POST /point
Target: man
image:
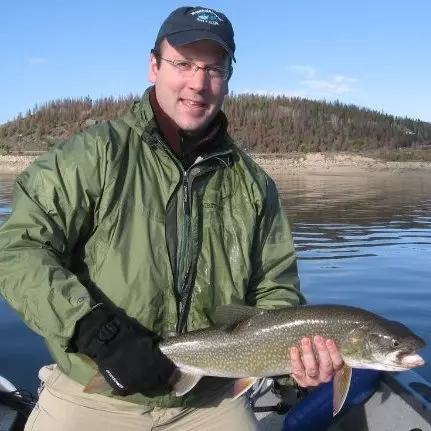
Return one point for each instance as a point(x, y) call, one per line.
point(133, 229)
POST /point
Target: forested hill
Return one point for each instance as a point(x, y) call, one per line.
point(259, 124)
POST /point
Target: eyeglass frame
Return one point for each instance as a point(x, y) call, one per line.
point(195, 67)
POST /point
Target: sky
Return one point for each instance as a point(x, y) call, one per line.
point(372, 53)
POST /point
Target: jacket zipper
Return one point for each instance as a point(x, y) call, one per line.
point(185, 230)
point(184, 285)
point(184, 279)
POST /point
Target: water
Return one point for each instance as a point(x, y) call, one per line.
point(365, 240)
point(362, 240)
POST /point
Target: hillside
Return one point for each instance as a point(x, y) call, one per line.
point(260, 124)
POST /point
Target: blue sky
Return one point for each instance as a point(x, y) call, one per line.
point(375, 54)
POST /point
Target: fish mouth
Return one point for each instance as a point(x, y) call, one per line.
point(394, 361)
point(410, 360)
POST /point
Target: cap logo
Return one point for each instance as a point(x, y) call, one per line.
point(207, 16)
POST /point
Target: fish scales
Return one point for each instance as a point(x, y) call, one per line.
point(259, 346)
point(249, 343)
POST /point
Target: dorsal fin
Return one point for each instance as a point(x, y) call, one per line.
point(228, 315)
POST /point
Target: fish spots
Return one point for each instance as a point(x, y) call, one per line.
point(259, 345)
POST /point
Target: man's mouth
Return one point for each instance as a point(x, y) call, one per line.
point(193, 103)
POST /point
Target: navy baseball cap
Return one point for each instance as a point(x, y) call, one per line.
point(189, 24)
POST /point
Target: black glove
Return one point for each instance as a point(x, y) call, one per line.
point(127, 355)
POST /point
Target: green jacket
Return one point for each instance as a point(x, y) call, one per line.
point(111, 215)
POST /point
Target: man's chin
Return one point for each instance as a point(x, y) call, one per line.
point(193, 127)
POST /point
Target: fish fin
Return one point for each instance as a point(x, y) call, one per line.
point(97, 385)
point(341, 387)
point(241, 386)
point(182, 382)
point(234, 313)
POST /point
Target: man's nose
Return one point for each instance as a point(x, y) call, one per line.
point(199, 80)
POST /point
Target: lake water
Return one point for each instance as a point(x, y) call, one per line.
point(362, 239)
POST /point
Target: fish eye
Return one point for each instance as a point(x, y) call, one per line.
point(395, 343)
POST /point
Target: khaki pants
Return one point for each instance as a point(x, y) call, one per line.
point(63, 406)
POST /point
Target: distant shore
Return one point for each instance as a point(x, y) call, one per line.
point(281, 164)
point(335, 163)
point(14, 164)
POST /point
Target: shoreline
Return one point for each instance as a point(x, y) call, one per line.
point(315, 163)
point(13, 164)
point(336, 164)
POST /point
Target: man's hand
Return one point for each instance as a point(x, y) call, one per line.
point(126, 354)
point(311, 371)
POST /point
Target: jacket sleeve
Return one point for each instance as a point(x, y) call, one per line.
point(275, 281)
point(54, 207)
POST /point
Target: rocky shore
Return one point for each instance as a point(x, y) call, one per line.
point(337, 164)
point(281, 164)
point(14, 164)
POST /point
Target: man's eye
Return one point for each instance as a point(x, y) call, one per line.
point(216, 71)
point(184, 65)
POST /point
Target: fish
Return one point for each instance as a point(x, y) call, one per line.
point(247, 343)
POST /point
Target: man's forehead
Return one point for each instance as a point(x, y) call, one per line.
point(204, 47)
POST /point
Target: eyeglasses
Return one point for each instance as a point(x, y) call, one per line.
point(188, 68)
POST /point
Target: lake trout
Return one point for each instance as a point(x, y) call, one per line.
point(247, 343)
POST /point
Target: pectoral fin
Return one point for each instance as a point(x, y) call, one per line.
point(229, 315)
point(97, 385)
point(242, 385)
point(342, 381)
point(182, 382)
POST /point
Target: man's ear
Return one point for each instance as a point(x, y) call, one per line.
point(230, 72)
point(228, 79)
point(152, 68)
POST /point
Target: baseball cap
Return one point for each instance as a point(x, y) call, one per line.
point(189, 24)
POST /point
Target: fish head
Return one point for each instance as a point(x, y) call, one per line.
point(384, 345)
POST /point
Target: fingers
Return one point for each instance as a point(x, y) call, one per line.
point(335, 354)
point(326, 368)
point(308, 358)
point(298, 370)
point(312, 369)
point(304, 367)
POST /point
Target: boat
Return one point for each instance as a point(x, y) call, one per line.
point(15, 406)
point(402, 401)
point(377, 401)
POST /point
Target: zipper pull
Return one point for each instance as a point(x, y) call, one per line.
point(186, 201)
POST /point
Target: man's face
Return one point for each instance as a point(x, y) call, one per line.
point(190, 100)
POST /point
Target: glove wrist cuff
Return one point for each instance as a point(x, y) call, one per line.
point(94, 330)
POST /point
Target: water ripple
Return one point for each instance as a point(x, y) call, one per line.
point(365, 241)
